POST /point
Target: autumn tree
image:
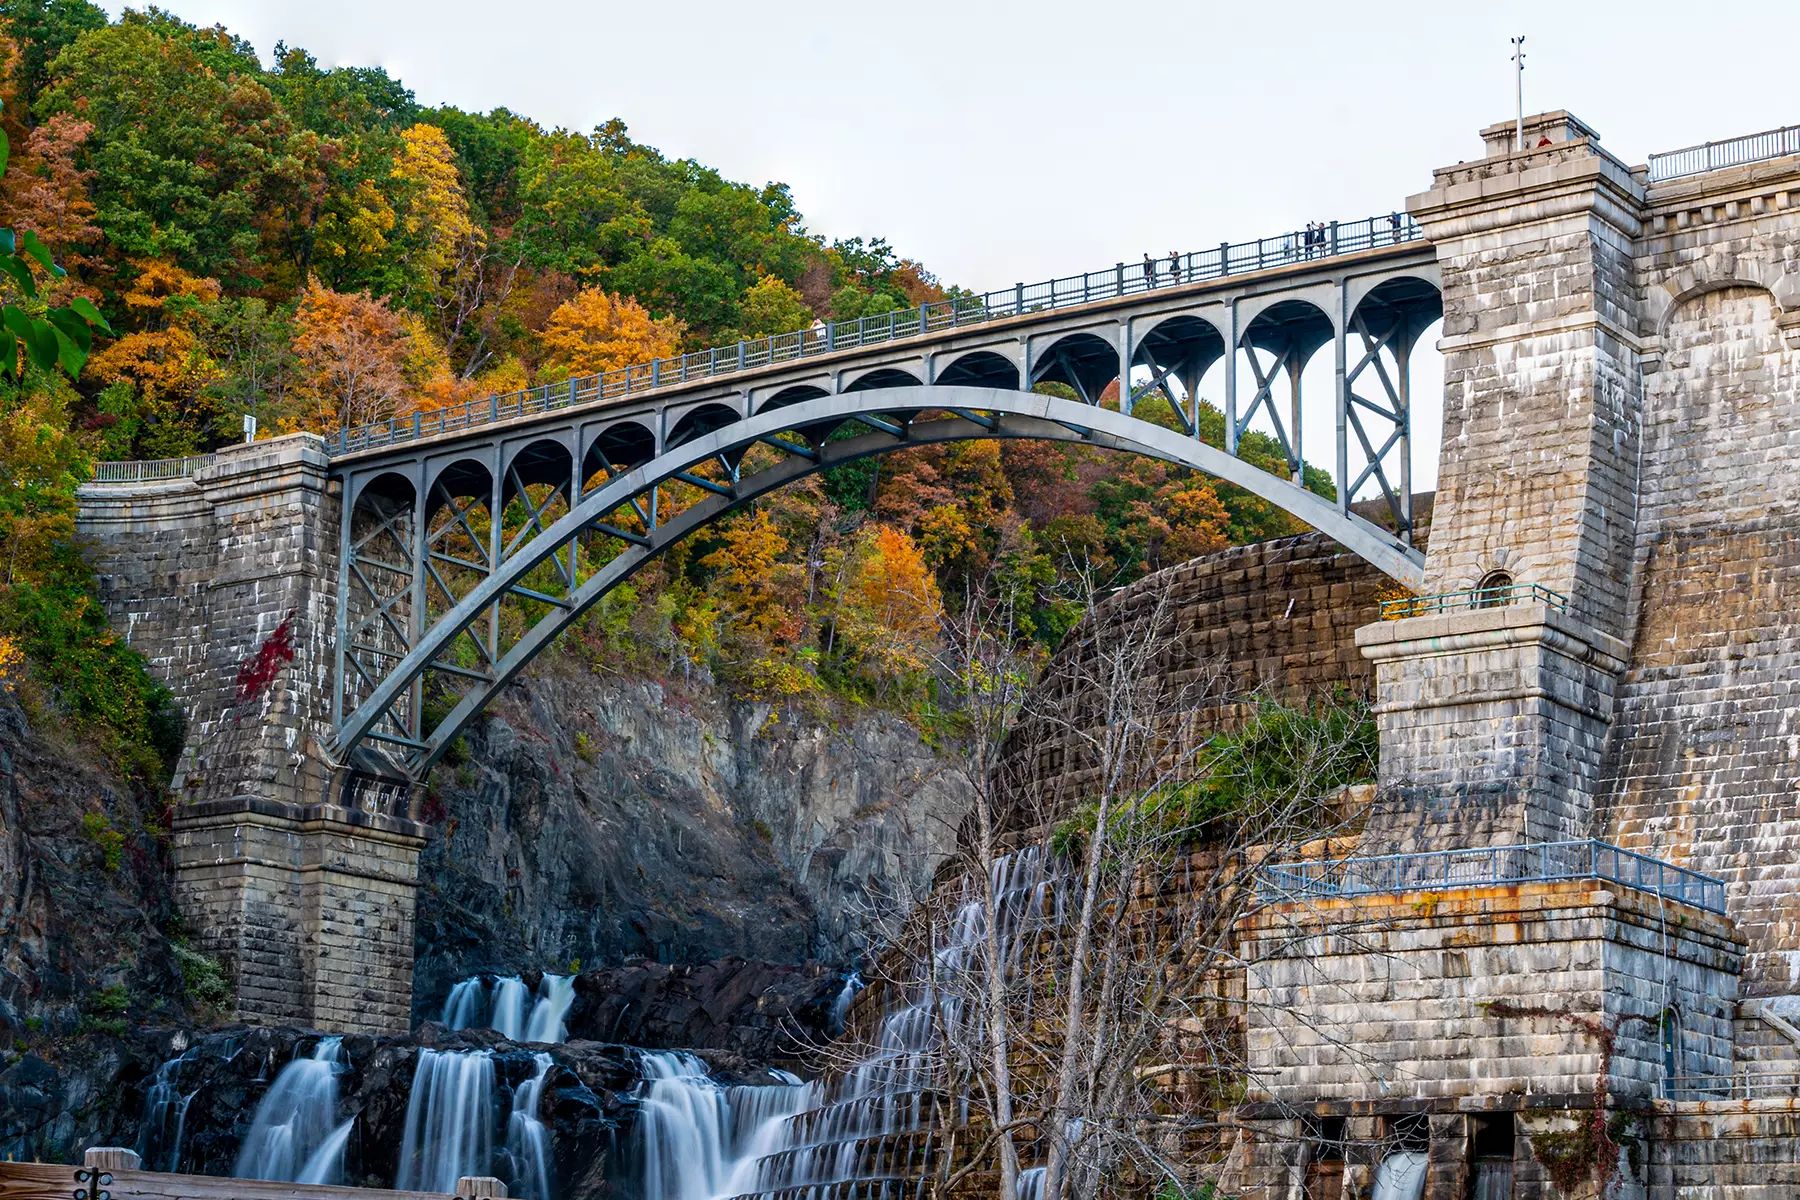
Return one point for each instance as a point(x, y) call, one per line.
point(596, 332)
point(350, 355)
point(889, 611)
point(772, 306)
point(163, 358)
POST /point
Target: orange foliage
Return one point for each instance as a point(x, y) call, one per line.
point(597, 332)
point(350, 352)
point(44, 191)
point(892, 606)
point(162, 359)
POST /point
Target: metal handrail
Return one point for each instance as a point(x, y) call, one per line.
point(151, 469)
point(1732, 152)
point(1122, 279)
point(1488, 866)
point(1744, 1084)
point(1473, 598)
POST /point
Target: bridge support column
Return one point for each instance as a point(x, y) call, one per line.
point(1493, 719)
point(226, 581)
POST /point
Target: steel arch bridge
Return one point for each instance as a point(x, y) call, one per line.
point(462, 528)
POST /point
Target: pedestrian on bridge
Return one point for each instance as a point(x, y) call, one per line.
point(1149, 270)
point(1174, 266)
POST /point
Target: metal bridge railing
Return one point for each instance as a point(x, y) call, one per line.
point(150, 470)
point(1732, 152)
point(1488, 597)
point(1122, 279)
point(1490, 866)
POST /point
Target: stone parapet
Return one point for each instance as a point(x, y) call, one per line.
point(311, 906)
point(1492, 722)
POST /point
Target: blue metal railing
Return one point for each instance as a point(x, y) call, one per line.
point(1487, 597)
point(150, 469)
point(1122, 279)
point(1732, 152)
point(1489, 866)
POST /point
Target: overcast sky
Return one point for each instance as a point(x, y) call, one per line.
point(998, 142)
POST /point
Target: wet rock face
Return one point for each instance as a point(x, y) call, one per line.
point(754, 1012)
point(601, 820)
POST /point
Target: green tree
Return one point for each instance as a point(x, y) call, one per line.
point(41, 29)
point(187, 163)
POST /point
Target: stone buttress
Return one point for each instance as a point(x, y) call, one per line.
point(226, 581)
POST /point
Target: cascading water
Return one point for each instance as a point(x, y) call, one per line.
point(449, 1121)
point(294, 1137)
point(697, 1139)
point(467, 1003)
point(165, 1117)
point(870, 1132)
point(556, 993)
point(505, 1010)
point(509, 1007)
point(527, 1139)
point(840, 1007)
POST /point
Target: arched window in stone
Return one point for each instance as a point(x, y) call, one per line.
point(1492, 591)
point(1668, 1036)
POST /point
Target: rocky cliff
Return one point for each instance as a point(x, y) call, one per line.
point(598, 819)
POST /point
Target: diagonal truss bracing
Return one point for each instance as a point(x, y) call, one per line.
point(381, 694)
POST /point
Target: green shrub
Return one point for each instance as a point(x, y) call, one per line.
point(203, 976)
point(112, 999)
point(111, 842)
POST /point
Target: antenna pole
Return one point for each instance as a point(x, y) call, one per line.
point(1518, 56)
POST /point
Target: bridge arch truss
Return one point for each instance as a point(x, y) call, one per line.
point(546, 513)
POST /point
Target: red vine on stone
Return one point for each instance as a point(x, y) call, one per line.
point(258, 672)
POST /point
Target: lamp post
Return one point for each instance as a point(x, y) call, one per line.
point(1518, 56)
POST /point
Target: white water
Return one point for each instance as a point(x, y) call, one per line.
point(467, 1003)
point(449, 1121)
point(555, 995)
point(1401, 1176)
point(503, 1007)
point(840, 1007)
point(527, 1139)
point(294, 1137)
point(165, 1117)
point(509, 1007)
point(697, 1140)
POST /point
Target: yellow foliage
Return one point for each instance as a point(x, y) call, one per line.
point(596, 332)
point(747, 578)
point(361, 231)
point(437, 223)
point(12, 661)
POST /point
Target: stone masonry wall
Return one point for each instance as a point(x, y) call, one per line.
point(1276, 618)
point(1704, 759)
point(199, 574)
point(1349, 998)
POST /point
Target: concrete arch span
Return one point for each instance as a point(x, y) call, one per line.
point(974, 413)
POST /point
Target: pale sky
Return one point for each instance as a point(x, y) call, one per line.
point(1005, 141)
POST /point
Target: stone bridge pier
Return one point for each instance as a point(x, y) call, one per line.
point(225, 579)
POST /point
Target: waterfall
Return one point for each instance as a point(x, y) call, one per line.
point(699, 1140)
point(509, 1007)
point(1031, 1184)
point(449, 1121)
point(555, 994)
point(469, 1003)
point(293, 1137)
point(165, 1117)
point(527, 1139)
point(873, 1126)
point(840, 1007)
